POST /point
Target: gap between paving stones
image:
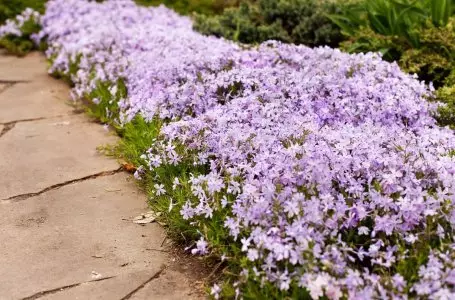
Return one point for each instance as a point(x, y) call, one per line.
point(6, 128)
point(9, 83)
point(21, 197)
point(5, 86)
point(67, 287)
point(10, 125)
point(155, 276)
point(13, 81)
point(63, 288)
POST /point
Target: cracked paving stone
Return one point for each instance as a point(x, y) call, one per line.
point(58, 238)
point(39, 154)
point(59, 185)
point(43, 98)
point(114, 288)
point(70, 227)
point(4, 86)
point(20, 69)
point(170, 285)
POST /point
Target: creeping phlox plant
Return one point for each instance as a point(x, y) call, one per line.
point(16, 35)
point(311, 172)
point(15, 26)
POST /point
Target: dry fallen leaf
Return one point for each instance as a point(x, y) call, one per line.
point(64, 123)
point(130, 168)
point(146, 218)
point(96, 275)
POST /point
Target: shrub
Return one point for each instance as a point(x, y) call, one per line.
point(296, 21)
point(208, 7)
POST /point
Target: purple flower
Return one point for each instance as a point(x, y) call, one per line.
point(306, 151)
point(201, 247)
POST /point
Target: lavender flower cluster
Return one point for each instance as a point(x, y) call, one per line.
point(14, 26)
point(328, 168)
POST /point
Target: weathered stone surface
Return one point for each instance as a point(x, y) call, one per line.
point(42, 98)
point(171, 285)
point(71, 232)
point(20, 69)
point(35, 155)
point(114, 288)
point(59, 238)
point(3, 87)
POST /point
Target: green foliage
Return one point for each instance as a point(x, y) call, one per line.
point(11, 8)
point(446, 94)
point(434, 59)
point(190, 6)
point(418, 34)
point(22, 45)
point(297, 21)
point(441, 10)
point(394, 18)
point(17, 45)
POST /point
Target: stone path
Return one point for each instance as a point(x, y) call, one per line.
point(65, 209)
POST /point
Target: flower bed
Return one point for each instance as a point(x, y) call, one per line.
point(310, 172)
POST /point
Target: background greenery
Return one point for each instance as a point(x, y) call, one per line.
point(190, 6)
point(11, 8)
point(419, 35)
point(295, 21)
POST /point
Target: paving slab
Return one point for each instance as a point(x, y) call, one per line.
point(22, 69)
point(65, 209)
point(171, 285)
point(3, 86)
point(4, 57)
point(43, 98)
point(36, 155)
point(59, 238)
point(114, 288)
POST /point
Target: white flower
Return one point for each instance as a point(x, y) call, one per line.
point(363, 230)
point(216, 290)
point(159, 189)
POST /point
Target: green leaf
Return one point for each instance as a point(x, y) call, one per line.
point(441, 11)
point(345, 23)
point(379, 24)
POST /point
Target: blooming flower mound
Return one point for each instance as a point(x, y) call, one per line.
point(14, 27)
point(323, 171)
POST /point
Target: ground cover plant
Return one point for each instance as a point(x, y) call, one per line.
point(16, 34)
point(307, 172)
point(419, 35)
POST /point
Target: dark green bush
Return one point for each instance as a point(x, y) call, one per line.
point(190, 6)
point(296, 21)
